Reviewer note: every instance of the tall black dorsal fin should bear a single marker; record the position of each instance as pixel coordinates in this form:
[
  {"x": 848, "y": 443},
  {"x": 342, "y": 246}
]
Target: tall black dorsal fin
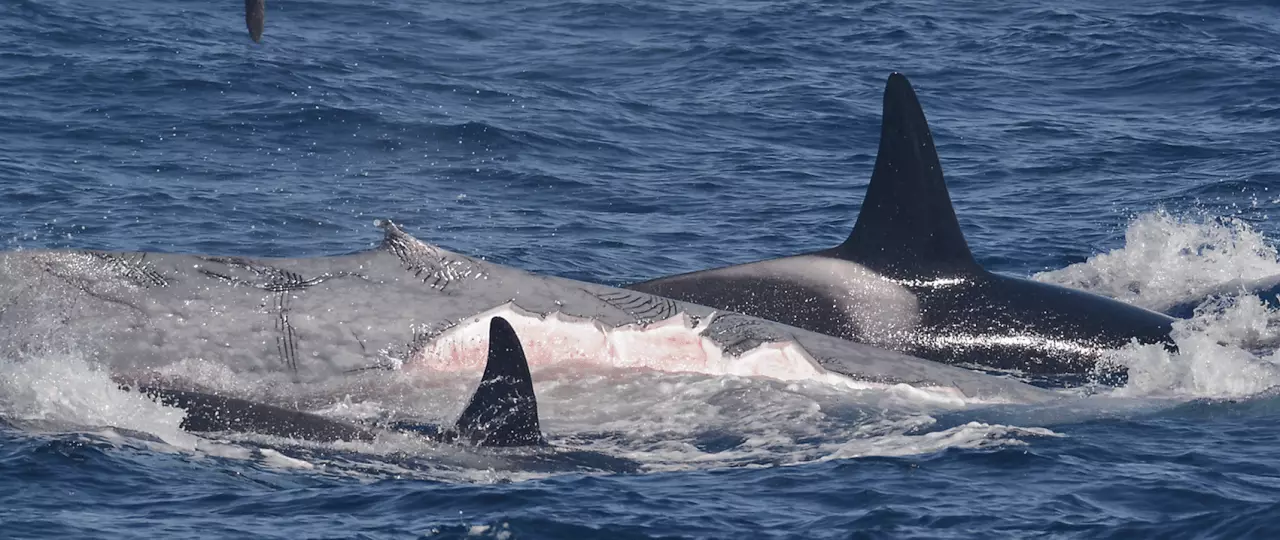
[
  {"x": 503, "y": 411},
  {"x": 255, "y": 17},
  {"x": 907, "y": 227}
]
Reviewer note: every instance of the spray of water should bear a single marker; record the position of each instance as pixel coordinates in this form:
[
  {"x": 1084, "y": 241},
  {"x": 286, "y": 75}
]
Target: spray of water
[{"x": 1228, "y": 348}]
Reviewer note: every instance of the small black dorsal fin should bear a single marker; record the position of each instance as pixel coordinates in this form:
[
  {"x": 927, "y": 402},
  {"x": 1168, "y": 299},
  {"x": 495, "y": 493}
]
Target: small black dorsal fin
[
  {"x": 907, "y": 227},
  {"x": 255, "y": 17},
  {"x": 504, "y": 410}
]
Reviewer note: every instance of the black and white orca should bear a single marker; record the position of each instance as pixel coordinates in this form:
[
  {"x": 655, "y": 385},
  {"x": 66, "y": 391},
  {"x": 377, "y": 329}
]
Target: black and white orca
[{"x": 906, "y": 280}]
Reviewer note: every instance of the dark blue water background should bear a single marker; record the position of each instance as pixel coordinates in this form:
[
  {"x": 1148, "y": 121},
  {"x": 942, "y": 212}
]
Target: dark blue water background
[{"x": 615, "y": 141}]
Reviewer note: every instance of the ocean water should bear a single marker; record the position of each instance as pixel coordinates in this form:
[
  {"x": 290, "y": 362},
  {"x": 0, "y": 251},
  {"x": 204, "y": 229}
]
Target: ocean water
[{"x": 1124, "y": 148}]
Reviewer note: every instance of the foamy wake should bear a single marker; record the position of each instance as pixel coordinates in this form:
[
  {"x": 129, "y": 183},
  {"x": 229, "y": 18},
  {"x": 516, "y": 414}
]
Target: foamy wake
[
  {"x": 1228, "y": 348},
  {"x": 65, "y": 390},
  {"x": 664, "y": 421},
  {"x": 970, "y": 436},
  {"x": 1167, "y": 260},
  {"x": 63, "y": 393},
  {"x": 679, "y": 421}
]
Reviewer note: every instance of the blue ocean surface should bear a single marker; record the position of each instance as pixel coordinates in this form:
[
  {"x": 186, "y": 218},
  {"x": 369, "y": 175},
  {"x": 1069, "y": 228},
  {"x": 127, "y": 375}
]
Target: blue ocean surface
[{"x": 1126, "y": 148}]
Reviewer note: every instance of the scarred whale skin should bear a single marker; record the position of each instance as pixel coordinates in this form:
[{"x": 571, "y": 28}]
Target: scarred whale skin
[{"x": 405, "y": 305}]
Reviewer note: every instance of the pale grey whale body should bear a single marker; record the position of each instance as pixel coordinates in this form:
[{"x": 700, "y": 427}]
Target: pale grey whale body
[{"x": 403, "y": 305}]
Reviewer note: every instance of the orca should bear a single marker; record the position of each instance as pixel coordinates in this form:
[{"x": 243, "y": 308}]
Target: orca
[
  {"x": 255, "y": 17},
  {"x": 503, "y": 411},
  {"x": 906, "y": 280}
]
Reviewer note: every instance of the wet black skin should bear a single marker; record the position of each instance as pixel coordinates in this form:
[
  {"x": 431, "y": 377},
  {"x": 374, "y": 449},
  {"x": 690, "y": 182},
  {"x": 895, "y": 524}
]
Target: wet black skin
[{"x": 907, "y": 260}]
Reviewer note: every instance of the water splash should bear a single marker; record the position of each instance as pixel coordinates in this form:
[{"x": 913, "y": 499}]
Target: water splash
[
  {"x": 1222, "y": 353},
  {"x": 65, "y": 390},
  {"x": 663, "y": 421},
  {"x": 1228, "y": 347},
  {"x": 1168, "y": 259}
]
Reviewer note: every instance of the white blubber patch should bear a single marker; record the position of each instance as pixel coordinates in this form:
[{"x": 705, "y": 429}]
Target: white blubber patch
[
  {"x": 671, "y": 345},
  {"x": 674, "y": 345}
]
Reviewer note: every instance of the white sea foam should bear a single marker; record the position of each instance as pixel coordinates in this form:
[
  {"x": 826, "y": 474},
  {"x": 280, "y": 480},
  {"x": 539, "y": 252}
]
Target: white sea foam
[
  {"x": 1168, "y": 259},
  {"x": 973, "y": 435},
  {"x": 62, "y": 392},
  {"x": 63, "y": 389},
  {"x": 1228, "y": 348},
  {"x": 664, "y": 421},
  {"x": 1214, "y": 359}
]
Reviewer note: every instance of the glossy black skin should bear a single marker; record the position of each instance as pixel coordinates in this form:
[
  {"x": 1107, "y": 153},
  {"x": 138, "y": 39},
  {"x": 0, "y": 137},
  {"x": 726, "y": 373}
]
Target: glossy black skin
[
  {"x": 504, "y": 410},
  {"x": 906, "y": 263},
  {"x": 1048, "y": 316},
  {"x": 1055, "y": 330}
]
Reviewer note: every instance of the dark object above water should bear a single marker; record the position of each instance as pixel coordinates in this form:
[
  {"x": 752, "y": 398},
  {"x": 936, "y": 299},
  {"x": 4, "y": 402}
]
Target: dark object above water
[
  {"x": 503, "y": 412},
  {"x": 906, "y": 280},
  {"x": 255, "y": 17}
]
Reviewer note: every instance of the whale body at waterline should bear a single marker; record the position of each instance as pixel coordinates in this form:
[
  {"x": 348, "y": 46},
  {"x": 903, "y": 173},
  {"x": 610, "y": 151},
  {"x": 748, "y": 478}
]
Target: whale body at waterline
[
  {"x": 906, "y": 280},
  {"x": 409, "y": 306},
  {"x": 503, "y": 411}
]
